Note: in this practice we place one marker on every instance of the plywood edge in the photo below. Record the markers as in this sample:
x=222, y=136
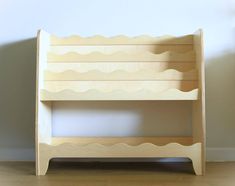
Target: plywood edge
x=36, y=105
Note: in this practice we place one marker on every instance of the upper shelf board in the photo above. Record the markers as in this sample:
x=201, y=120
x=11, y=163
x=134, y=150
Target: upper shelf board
x=121, y=40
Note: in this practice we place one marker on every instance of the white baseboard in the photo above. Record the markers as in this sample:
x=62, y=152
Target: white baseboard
x=220, y=154
x=27, y=154
x=17, y=154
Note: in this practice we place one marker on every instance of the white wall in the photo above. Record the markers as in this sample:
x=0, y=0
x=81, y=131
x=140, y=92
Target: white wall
x=20, y=20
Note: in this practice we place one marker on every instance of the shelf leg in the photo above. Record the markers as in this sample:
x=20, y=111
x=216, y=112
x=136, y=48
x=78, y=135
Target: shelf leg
x=197, y=165
x=42, y=166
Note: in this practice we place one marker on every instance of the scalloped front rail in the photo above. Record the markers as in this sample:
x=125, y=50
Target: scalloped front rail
x=171, y=94
x=169, y=74
x=74, y=57
x=120, y=150
x=120, y=40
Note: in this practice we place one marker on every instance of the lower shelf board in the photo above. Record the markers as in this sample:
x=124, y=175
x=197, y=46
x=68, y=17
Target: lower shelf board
x=130, y=140
x=119, y=150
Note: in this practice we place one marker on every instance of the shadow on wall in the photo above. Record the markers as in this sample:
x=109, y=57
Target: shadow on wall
x=220, y=100
x=17, y=94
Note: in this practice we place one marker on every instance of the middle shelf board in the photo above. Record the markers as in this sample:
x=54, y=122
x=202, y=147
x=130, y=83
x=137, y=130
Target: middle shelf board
x=119, y=90
x=127, y=86
x=69, y=95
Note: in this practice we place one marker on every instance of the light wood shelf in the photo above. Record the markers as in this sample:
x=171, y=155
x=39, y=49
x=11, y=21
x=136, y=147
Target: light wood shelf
x=160, y=141
x=120, y=68
x=68, y=80
x=69, y=95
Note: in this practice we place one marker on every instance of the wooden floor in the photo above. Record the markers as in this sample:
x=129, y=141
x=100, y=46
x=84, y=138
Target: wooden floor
x=123, y=174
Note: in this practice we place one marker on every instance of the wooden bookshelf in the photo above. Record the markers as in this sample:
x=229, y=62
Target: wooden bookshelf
x=119, y=68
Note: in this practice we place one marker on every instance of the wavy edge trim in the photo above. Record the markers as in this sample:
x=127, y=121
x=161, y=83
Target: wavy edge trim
x=121, y=144
x=121, y=56
x=94, y=94
x=121, y=39
x=121, y=74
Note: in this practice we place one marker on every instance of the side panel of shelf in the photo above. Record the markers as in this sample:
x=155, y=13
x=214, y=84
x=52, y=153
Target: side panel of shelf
x=43, y=109
x=198, y=115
